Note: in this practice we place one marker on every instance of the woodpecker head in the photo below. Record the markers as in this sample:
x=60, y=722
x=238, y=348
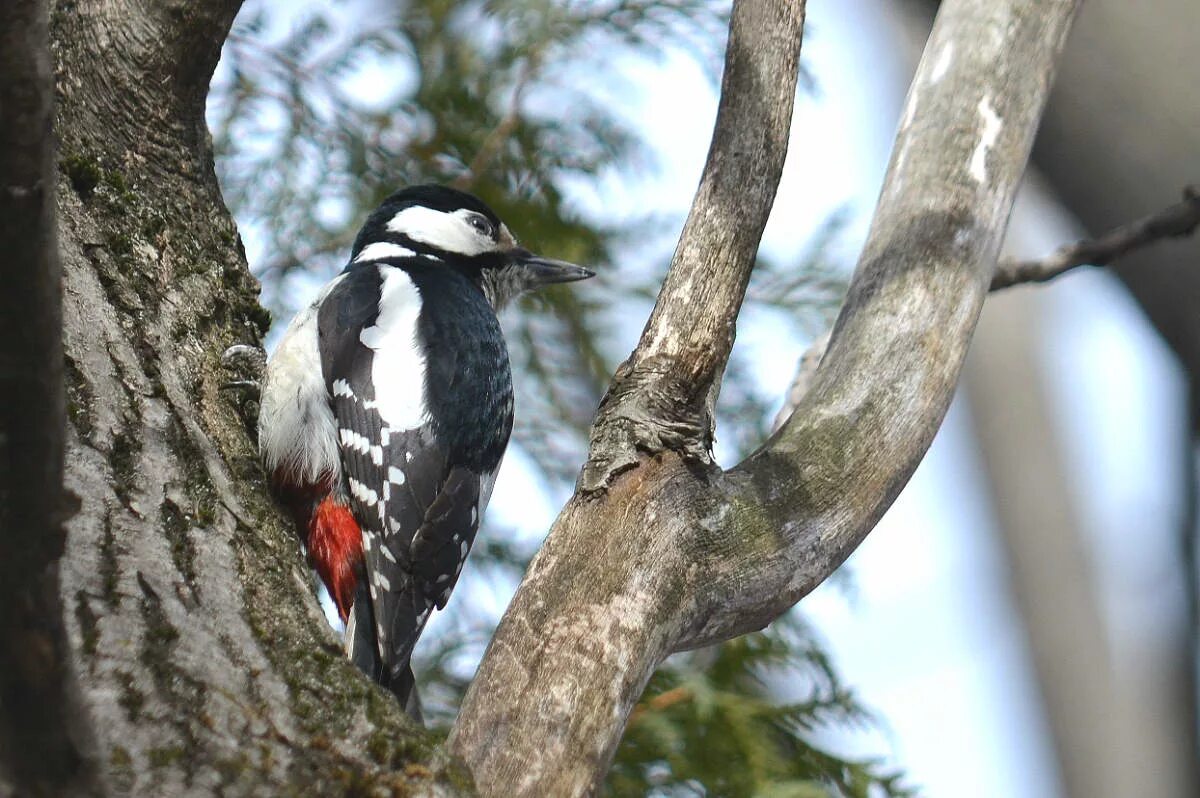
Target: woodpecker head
x=451, y=226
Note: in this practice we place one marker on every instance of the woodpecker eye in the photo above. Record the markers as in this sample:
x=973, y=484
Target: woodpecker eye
x=481, y=225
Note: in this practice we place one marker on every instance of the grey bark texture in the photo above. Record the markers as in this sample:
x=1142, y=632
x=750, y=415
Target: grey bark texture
x=659, y=550
x=205, y=664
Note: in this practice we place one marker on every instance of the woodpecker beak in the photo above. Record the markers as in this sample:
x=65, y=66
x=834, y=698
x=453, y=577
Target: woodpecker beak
x=544, y=271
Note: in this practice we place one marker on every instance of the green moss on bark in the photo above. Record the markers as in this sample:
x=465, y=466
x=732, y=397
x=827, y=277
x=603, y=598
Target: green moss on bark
x=83, y=172
x=131, y=698
x=110, y=573
x=89, y=628
x=176, y=527
x=80, y=400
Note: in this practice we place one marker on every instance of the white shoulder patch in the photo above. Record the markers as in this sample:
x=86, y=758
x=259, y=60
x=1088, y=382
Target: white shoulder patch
x=382, y=250
x=398, y=365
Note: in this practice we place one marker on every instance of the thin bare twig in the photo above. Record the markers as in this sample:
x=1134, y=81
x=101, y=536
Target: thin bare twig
x=1180, y=219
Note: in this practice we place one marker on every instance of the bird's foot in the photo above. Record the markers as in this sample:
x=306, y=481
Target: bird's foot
x=247, y=364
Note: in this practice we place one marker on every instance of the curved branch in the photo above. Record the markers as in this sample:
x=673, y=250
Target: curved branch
x=820, y=484
x=661, y=397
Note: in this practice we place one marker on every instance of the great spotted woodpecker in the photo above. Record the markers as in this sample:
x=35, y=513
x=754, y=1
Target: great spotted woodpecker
x=386, y=409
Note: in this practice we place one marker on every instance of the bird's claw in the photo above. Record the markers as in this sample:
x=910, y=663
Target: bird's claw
x=249, y=386
x=250, y=360
x=247, y=364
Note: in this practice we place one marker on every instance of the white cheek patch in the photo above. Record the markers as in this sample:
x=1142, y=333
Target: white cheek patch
x=398, y=366
x=450, y=232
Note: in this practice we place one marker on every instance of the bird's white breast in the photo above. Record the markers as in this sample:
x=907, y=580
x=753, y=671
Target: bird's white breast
x=296, y=428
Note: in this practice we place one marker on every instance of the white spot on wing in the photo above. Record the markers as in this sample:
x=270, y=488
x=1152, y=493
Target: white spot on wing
x=398, y=366
x=352, y=440
x=362, y=492
x=395, y=475
x=992, y=125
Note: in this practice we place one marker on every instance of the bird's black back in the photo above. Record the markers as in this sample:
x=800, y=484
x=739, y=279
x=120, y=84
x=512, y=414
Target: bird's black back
x=415, y=492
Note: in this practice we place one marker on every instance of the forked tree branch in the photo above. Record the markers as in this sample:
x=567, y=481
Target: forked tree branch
x=822, y=481
x=661, y=397
x=547, y=707
x=1175, y=221
x=659, y=550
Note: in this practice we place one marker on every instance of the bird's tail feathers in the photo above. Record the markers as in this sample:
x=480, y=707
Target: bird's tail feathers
x=388, y=664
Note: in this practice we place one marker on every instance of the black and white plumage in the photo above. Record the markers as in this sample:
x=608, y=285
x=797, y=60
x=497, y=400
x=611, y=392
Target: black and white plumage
x=386, y=410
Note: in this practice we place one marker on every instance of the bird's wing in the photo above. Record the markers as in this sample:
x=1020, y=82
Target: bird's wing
x=418, y=511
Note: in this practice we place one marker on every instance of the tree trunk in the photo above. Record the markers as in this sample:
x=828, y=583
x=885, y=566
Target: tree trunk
x=44, y=739
x=205, y=662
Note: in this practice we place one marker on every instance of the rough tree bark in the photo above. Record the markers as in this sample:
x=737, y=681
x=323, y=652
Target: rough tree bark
x=204, y=663
x=659, y=550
